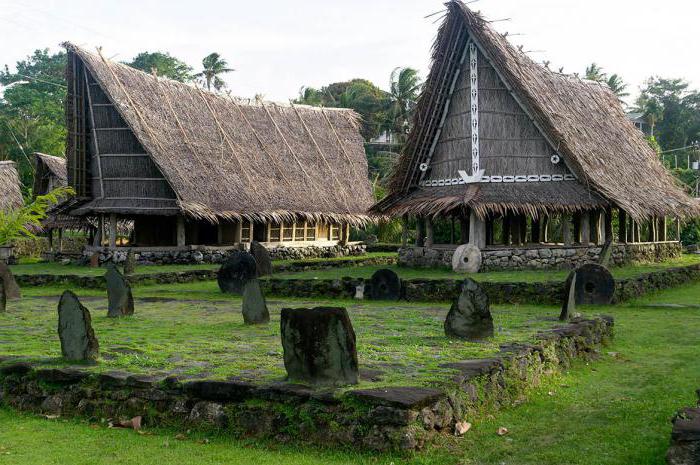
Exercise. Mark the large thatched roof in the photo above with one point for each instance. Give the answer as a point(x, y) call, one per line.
point(582, 121)
point(228, 158)
point(10, 186)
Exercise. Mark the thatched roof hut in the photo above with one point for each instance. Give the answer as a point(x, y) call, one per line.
point(10, 187)
point(50, 173)
point(166, 148)
point(546, 142)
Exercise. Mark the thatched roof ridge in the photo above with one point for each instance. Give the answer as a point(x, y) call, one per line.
point(228, 158)
point(55, 165)
point(581, 119)
point(10, 186)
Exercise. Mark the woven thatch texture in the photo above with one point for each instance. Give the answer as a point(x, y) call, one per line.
point(49, 172)
point(583, 120)
point(10, 186)
point(226, 158)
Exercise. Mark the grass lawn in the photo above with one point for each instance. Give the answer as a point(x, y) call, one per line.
point(494, 276)
point(33, 267)
point(616, 410)
point(179, 334)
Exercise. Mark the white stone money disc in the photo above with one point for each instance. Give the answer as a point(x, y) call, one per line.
point(467, 259)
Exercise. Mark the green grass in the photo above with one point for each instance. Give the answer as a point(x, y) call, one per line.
point(494, 276)
point(34, 267)
point(615, 411)
point(189, 336)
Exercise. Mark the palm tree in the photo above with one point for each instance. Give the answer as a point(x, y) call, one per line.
point(618, 86)
point(595, 73)
point(213, 66)
point(405, 87)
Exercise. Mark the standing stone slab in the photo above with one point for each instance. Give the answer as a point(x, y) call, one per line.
point(606, 253)
point(3, 297)
point(78, 342)
point(130, 262)
point(569, 306)
point(319, 345)
point(262, 258)
point(254, 306)
point(235, 272)
point(12, 291)
point(384, 285)
point(121, 302)
point(470, 315)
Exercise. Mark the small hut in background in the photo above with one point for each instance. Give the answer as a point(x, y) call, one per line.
point(522, 157)
point(192, 168)
point(49, 174)
point(10, 187)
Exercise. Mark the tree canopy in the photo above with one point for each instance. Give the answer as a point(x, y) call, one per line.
point(164, 64)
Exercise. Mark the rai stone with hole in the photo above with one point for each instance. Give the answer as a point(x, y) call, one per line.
point(470, 315)
point(78, 341)
point(466, 259)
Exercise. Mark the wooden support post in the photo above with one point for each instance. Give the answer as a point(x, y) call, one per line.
point(477, 231)
point(219, 234)
point(463, 230)
point(566, 229)
point(404, 230)
point(523, 229)
point(544, 229)
point(420, 235)
point(294, 231)
point(49, 236)
point(535, 227)
point(609, 225)
point(663, 225)
point(113, 230)
point(651, 232)
point(505, 238)
point(345, 234)
point(100, 231)
point(635, 232)
point(585, 228)
point(577, 227)
point(250, 238)
point(429, 232)
point(622, 225)
point(60, 240)
point(180, 231)
point(678, 229)
point(238, 233)
point(595, 226)
point(269, 232)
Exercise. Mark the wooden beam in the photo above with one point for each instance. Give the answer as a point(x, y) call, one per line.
point(60, 240)
point(544, 234)
point(663, 225)
point(429, 232)
point(420, 237)
point(477, 231)
point(608, 230)
point(566, 229)
point(585, 228)
point(180, 233)
point(463, 229)
point(112, 229)
point(404, 230)
point(238, 232)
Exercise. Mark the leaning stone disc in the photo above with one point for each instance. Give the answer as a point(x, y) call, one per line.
point(235, 272)
point(594, 285)
point(385, 285)
point(467, 259)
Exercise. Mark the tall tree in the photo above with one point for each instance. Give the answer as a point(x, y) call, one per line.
point(618, 86)
point(214, 66)
point(405, 87)
point(595, 73)
point(164, 64)
point(32, 116)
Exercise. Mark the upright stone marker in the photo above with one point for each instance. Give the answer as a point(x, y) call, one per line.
point(121, 301)
point(235, 272)
point(470, 315)
point(95, 260)
point(130, 263)
point(606, 252)
point(384, 285)
point(3, 297)
point(254, 306)
point(319, 345)
point(12, 291)
point(569, 306)
point(262, 258)
point(78, 342)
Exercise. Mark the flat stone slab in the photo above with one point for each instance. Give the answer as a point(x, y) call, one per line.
point(473, 368)
point(404, 397)
point(62, 375)
point(220, 390)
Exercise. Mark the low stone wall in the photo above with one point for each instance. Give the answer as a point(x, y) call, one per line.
point(39, 246)
point(541, 257)
point(215, 256)
point(685, 437)
point(384, 418)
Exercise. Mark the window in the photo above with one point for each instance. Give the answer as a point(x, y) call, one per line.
point(287, 231)
point(310, 232)
point(274, 232)
point(299, 234)
point(245, 231)
point(334, 232)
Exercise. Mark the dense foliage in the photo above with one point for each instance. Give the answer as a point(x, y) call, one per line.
point(25, 222)
point(163, 64)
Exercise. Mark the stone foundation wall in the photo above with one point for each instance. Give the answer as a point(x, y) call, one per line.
point(383, 418)
point(685, 437)
point(538, 258)
point(212, 255)
point(39, 246)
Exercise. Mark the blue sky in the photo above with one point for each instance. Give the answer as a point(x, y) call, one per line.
point(279, 46)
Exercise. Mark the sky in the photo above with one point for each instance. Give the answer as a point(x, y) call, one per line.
point(278, 46)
